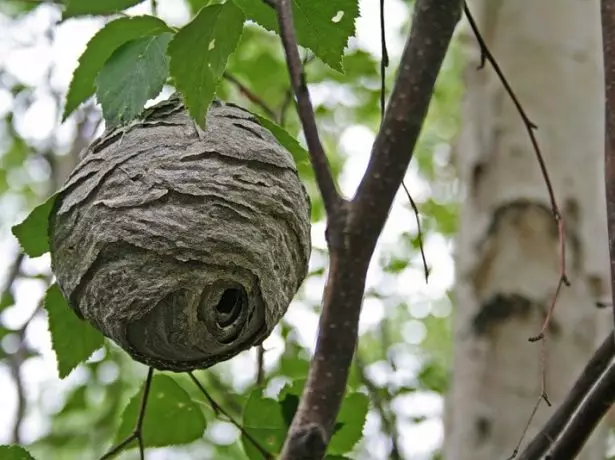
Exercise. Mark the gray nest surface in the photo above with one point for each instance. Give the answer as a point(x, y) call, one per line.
point(183, 246)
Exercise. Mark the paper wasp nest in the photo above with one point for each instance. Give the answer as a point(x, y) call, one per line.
point(183, 246)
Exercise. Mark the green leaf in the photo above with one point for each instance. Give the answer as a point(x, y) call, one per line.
point(264, 421)
point(100, 48)
point(96, 7)
point(134, 74)
point(72, 339)
point(32, 231)
point(196, 5)
point(324, 26)
point(14, 453)
point(350, 420)
point(433, 376)
point(171, 417)
point(6, 299)
point(199, 53)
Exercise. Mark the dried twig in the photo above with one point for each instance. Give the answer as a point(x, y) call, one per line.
point(486, 56)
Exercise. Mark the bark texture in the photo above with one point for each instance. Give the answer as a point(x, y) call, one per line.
point(183, 246)
point(507, 249)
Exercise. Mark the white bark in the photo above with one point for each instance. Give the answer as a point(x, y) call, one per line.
point(507, 248)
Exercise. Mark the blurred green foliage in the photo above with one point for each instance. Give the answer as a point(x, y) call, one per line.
point(95, 405)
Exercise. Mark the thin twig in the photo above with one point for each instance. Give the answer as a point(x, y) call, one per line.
point(137, 432)
point(384, 63)
point(419, 231)
point(331, 198)
point(220, 410)
point(260, 363)
point(250, 95)
point(531, 127)
point(486, 56)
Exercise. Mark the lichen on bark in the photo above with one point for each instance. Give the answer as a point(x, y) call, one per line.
point(183, 246)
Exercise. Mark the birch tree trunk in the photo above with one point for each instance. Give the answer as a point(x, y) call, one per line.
point(507, 248)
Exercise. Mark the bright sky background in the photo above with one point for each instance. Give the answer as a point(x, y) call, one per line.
point(25, 51)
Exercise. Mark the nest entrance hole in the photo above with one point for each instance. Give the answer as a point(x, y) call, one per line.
point(229, 307)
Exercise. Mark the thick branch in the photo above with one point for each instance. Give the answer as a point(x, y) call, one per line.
point(432, 29)
point(584, 421)
point(582, 387)
point(607, 11)
point(326, 184)
point(356, 226)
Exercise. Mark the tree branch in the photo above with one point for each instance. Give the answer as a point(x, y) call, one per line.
point(583, 423)
point(324, 179)
point(607, 10)
point(582, 387)
point(354, 227)
point(250, 95)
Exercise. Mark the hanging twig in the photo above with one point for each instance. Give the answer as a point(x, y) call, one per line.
point(486, 56)
point(419, 231)
point(137, 433)
point(384, 63)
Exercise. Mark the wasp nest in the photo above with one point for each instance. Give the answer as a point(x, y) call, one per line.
point(183, 246)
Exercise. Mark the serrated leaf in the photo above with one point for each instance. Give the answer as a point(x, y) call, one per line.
point(171, 417)
point(72, 339)
point(32, 231)
point(324, 26)
point(264, 421)
point(14, 453)
point(100, 48)
point(196, 5)
point(134, 74)
point(99, 7)
point(350, 422)
point(199, 53)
